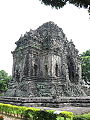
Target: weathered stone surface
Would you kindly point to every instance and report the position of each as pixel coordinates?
(45, 64)
(47, 101)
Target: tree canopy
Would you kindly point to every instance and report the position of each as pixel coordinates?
(60, 3)
(4, 79)
(85, 56)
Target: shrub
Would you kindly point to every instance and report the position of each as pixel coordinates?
(33, 113)
(87, 116)
(28, 114)
(45, 115)
(82, 117)
(64, 114)
(79, 118)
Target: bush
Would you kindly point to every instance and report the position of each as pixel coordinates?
(78, 118)
(87, 116)
(45, 115)
(82, 117)
(27, 112)
(64, 114)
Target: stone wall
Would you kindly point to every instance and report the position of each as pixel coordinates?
(47, 101)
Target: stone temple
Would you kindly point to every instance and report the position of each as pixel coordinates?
(45, 64)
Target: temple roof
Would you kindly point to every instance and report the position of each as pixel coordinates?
(49, 25)
(48, 30)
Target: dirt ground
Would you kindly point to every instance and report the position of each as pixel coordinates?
(10, 118)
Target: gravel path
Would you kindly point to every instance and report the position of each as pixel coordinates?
(75, 110)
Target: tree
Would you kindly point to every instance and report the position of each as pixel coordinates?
(85, 56)
(4, 79)
(60, 3)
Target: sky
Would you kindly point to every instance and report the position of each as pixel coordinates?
(19, 16)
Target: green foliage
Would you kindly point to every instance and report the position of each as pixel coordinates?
(82, 117)
(4, 78)
(66, 114)
(86, 53)
(30, 113)
(86, 65)
(86, 68)
(54, 3)
(27, 112)
(60, 3)
(44, 115)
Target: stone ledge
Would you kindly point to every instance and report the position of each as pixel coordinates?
(47, 101)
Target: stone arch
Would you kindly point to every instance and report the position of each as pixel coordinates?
(46, 69)
(35, 69)
(71, 69)
(56, 69)
(26, 66)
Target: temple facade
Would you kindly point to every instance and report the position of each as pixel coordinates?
(45, 64)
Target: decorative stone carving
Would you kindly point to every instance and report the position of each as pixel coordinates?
(46, 64)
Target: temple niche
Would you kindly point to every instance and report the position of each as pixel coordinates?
(45, 64)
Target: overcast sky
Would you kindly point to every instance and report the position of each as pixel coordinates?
(19, 16)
